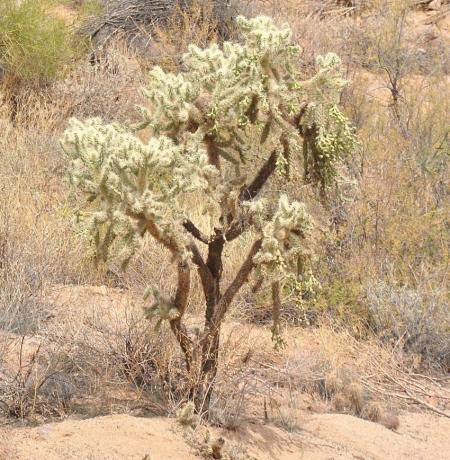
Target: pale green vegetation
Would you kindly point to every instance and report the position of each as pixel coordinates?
(34, 45)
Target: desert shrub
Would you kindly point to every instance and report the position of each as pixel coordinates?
(135, 21)
(21, 309)
(34, 45)
(395, 228)
(411, 320)
(21, 280)
(106, 90)
(193, 25)
(40, 384)
(115, 350)
(336, 8)
(340, 300)
(34, 220)
(229, 107)
(88, 8)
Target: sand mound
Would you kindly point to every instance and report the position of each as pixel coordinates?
(321, 436)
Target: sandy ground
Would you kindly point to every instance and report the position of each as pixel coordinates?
(321, 436)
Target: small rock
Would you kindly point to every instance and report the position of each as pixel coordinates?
(45, 430)
(435, 5)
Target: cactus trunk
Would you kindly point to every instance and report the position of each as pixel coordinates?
(208, 373)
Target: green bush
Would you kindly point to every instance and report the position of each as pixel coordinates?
(34, 44)
(90, 8)
(341, 301)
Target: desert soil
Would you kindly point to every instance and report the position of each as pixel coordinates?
(320, 436)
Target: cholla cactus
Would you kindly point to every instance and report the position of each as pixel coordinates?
(186, 415)
(233, 119)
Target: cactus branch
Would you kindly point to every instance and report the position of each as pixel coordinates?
(181, 302)
(195, 231)
(236, 284)
(268, 168)
(250, 192)
(162, 238)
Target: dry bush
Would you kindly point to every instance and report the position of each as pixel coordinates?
(411, 322)
(285, 409)
(237, 385)
(369, 372)
(36, 380)
(125, 362)
(34, 249)
(320, 370)
(34, 209)
(140, 23)
(257, 382)
(396, 231)
(322, 9)
(169, 41)
(21, 308)
(90, 358)
(19, 283)
(36, 245)
(107, 89)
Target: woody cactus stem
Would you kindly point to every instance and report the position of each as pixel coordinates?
(230, 108)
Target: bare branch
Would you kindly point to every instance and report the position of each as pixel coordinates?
(183, 288)
(203, 270)
(286, 154)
